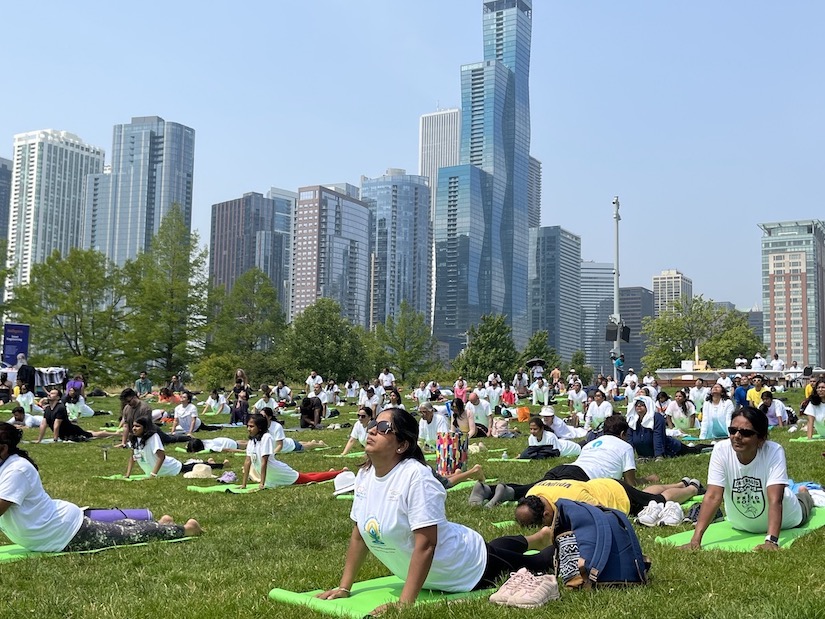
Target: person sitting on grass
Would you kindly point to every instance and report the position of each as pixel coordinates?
(680, 412)
(31, 518)
(148, 452)
(359, 430)
(56, 419)
(609, 456)
(648, 436)
(540, 437)
(21, 419)
(716, 413)
(311, 412)
(216, 404)
(26, 399)
(749, 473)
(815, 411)
(260, 457)
(399, 516)
(774, 410)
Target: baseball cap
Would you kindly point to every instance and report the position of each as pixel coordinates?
(344, 482)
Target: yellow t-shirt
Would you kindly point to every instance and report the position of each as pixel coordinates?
(755, 397)
(809, 389)
(604, 492)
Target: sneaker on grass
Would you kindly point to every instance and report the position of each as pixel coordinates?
(671, 514)
(649, 516)
(536, 592)
(512, 585)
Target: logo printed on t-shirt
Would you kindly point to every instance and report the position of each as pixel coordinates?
(373, 530)
(748, 496)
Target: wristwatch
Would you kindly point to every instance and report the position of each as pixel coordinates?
(772, 539)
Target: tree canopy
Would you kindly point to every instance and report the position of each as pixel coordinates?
(409, 345)
(490, 349)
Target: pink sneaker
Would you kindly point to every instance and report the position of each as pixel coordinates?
(537, 592)
(513, 585)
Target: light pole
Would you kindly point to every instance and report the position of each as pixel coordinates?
(616, 318)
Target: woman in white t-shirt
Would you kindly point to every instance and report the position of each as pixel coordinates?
(215, 404)
(749, 473)
(148, 451)
(352, 387)
(266, 400)
(399, 516)
(359, 430)
(186, 415)
(816, 410)
(281, 442)
(540, 436)
(680, 412)
(31, 518)
(260, 457)
(26, 400)
(598, 410)
(217, 444)
(716, 414)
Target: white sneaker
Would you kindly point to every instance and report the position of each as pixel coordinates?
(671, 514)
(515, 584)
(536, 592)
(649, 516)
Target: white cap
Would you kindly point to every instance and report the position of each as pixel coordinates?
(547, 411)
(200, 471)
(344, 482)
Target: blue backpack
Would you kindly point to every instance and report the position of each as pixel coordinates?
(596, 545)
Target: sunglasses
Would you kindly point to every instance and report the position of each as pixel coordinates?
(381, 427)
(743, 432)
(362, 416)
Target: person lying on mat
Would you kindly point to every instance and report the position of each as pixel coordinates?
(648, 435)
(217, 444)
(540, 436)
(399, 516)
(31, 518)
(358, 436)
(282, 443)
(538, 507)
(148, 452)
(749, 473)
(609, 456)
(260, 456)
(21, 419)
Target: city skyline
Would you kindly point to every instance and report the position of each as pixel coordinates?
(715, 113)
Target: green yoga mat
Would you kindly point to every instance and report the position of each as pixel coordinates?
(202, 452)
(805, 439)
(13, 552)
(511, 460)
(722, 536)
(224, 488)
(504, 524)
(122, 478)
(469, 483)
(430, 457)
(356, 454)
(366, 596)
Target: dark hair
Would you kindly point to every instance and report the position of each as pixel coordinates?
(757, 419)
(17, 409)
(405, 428)
(534, 508)
(194, 445)
(59, 393)
(73, 396)
(261, 423)
(724, 395)
(394, 391)
(368, 410)
(457, 409)
(615, 425)
(165, 392)
(267, 390)
(148, 431)
(267, 412)
(684, 404)
(662, 393)
(128, 394)
(815, 399)
(11, 436)
(537, 420)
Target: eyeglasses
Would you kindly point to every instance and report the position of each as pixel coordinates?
(381, 427)
(743, 432)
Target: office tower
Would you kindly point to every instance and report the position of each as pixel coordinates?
(793, 290)
(481, 219)
(670, 286)
(331, 252)
(5, 196)
(439, 135)
(635, 304)
(400, 269)
(46, 206)
(596, 308)
(756, 319)
(253, 231)
(534, 193)
(554, 279)
(725, 305)
(153, 163)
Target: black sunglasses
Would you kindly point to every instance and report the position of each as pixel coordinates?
(381, 427)
(362, 416)
(743, 432)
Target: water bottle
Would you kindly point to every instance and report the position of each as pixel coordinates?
(504, 456)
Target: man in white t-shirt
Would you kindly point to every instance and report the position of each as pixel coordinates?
(630, 377)
(725, 381)
(630, 393)
(758, 363)
(541, 392)
(319, 392)
(21, 419)
(741, 362)
(538, 371)
(793, 375)
(312, 380)
(648, 379)
(576, 400)
(777, 364)
(481, 412)
(430, 425)
(698, 393)
(386, 379)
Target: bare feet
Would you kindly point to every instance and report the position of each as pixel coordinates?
(192, 528)
(166, 519)
(226, 463)
(477, 473)
(541, 539)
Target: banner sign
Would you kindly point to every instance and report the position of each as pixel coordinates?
(15, 341)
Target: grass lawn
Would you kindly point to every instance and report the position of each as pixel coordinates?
(296, 537)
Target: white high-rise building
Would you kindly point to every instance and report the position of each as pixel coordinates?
(47, 196)
(670, 286)
(597, 305)
(439, 137)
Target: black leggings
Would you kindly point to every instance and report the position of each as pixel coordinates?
(506, 554)
(94, 534)
(186, 468)
(563, 471)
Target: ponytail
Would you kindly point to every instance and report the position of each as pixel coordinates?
(11, 437)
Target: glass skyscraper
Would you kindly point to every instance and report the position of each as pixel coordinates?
(5, 196)
(481, 214)
(153, 164)
(400, 205)
(597, 305)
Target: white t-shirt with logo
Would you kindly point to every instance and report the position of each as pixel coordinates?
(146, 458)
(745, 485)
(428, 432)
(359, 433)
(606, 457)
(219, 444)
(387, 510)
(276, 431)
(34, 520)
(277, 473)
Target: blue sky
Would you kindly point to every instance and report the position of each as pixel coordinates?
(705, 117)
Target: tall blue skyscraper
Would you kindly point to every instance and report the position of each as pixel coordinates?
(400, 205)
(5, 196)
(481, 214)
(153, 164)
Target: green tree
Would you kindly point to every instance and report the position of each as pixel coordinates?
(490, 348)
(408, 342)
(719, 333)
(537, 346)
(74, 304)
(375, 358)
(321, 339)
(167, 295)
(585, 372)
(249, 318)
